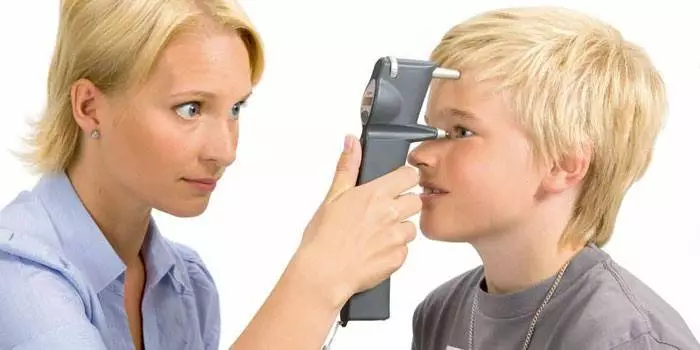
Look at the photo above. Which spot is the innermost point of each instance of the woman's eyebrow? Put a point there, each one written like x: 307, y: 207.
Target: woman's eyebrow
x: 205, y: 94
x: 247, y: 96
x: 197, y: 93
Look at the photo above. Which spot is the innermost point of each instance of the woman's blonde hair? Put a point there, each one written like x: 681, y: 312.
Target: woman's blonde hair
x: 572, y: 81
x: 115, y: 44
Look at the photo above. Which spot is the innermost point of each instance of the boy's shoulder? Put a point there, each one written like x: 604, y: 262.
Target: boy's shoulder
x: 614, y: 306
x: 598, y: 304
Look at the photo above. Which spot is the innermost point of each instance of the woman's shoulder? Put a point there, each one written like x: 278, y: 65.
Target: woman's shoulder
x: 27, y: 233
x: 25, y: 214
x: 39, y: 282
x: 28, y: 236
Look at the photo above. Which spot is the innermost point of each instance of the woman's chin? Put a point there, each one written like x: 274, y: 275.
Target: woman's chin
x: 186, y: 209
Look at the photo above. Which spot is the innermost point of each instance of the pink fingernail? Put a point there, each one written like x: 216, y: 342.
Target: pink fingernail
x: 348, y: 143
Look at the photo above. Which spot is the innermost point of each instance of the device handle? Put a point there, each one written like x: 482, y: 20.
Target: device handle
x: 380, y: 156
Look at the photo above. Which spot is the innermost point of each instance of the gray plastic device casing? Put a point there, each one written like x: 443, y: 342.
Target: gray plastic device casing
x: 390, y: 109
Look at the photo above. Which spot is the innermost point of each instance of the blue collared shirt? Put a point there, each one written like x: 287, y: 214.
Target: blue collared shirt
x: 62, y: 284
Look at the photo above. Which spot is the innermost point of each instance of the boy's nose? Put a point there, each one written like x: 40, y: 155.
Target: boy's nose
x: 422, y: 155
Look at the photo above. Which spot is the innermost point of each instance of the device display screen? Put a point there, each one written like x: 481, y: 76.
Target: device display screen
x: 367, y: 100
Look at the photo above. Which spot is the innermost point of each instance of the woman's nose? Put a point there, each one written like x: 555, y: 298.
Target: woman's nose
x: 221, y: 143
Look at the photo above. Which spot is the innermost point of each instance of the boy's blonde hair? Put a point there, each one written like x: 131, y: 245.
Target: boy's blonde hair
x: 572, y: 81
x: 115, y: 44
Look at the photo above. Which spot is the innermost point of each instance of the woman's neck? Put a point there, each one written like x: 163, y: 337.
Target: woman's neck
x: 122, y: 219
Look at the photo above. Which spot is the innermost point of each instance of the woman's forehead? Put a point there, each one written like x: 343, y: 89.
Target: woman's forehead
x: 203, y: 62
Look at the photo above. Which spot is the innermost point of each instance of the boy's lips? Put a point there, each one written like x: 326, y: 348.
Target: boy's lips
x: 431, y: 189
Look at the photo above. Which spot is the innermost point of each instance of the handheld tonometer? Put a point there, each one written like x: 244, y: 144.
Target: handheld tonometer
x: 391, y: 105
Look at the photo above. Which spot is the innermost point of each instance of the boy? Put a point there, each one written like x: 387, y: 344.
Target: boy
x: 553, y: 119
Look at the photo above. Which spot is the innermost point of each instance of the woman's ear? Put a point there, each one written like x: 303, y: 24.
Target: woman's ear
x: 84, y: 95
x: 569, y: 172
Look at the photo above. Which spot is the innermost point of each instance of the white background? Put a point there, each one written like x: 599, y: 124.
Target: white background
x: 319, y: 57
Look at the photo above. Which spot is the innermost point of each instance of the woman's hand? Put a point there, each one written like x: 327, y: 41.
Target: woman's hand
x: 356, y: 239
x: 359, y: 234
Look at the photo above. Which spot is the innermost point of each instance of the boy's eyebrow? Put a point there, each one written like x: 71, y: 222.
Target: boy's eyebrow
x: 455, y: 112
x: 460, y: 113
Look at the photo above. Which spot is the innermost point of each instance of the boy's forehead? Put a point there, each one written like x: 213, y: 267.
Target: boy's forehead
x: 452, y: 98
x: 467, y: 100
x: 463, y: 89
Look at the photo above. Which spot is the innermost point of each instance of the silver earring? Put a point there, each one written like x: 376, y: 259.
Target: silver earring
x: 95, y: 134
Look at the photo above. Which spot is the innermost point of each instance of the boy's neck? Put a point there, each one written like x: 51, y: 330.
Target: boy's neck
x: 517, y: 261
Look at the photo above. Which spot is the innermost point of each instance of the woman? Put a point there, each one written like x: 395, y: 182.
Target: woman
x: 142, y: 113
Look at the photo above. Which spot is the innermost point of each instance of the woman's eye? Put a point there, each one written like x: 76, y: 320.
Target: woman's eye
x: 189, y: 110
x: 459, y: 132
x: 236, y: 110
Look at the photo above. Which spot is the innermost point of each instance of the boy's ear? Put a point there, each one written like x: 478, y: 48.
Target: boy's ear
x: 569, y: 172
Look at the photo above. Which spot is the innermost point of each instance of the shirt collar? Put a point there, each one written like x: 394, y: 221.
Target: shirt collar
x: 160, y: 259
x: 507, y: 306
x: 86, y: 247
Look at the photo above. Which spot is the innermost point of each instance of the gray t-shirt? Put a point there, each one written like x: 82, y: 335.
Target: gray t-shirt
x: 598, y: 305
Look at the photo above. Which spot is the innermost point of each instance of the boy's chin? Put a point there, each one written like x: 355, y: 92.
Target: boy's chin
x: 443, y: 232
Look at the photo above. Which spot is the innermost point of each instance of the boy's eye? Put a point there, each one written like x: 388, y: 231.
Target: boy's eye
x: 236, y: 110
x: 460, y: 131
x: 189, y: 110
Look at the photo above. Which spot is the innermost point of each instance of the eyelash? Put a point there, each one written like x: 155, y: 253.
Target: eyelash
x: 235, y: 111
x: 456, y: 129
